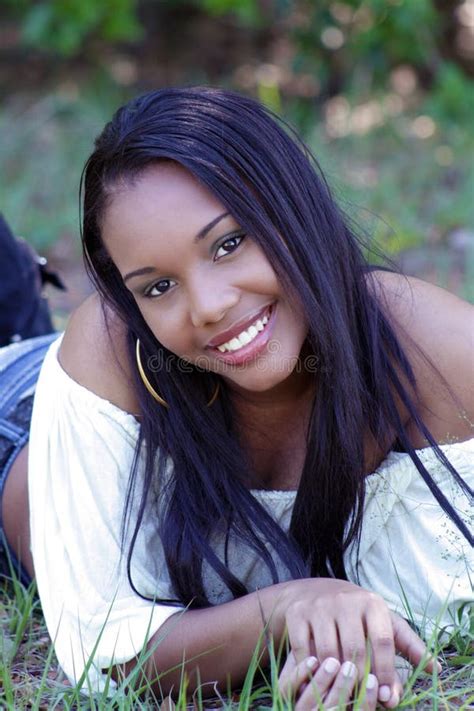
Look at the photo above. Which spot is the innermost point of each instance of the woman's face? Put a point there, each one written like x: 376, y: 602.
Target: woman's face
x: 204, y: 287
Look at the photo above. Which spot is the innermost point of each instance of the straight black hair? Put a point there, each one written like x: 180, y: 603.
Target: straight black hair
x: 271, y: 184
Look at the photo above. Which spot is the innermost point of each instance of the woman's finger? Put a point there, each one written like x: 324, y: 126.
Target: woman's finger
x: 286, y: 672
x: 298, y: 637
x: 369, y: 701
x: 341, y: 690
x: 353, y: 644
x: 381, y: 636
x: 319, y: 685
x: 408, y: 643
x: 293, y: 675
x: 325, y: 638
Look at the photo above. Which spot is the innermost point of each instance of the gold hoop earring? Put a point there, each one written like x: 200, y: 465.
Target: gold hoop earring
x: 145, y: 380
x: 150, y: 387
x: 214, y: 396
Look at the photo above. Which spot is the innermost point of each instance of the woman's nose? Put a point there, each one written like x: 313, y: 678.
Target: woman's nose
x: 209, y: 302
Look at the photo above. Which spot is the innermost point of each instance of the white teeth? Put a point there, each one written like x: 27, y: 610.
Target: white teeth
x: 245, y: 337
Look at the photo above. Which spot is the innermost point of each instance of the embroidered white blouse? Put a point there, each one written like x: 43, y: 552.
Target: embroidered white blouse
x: 80, y: 455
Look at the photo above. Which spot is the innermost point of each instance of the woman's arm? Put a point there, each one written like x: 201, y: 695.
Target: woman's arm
x: 323, y: 617
x: 436, y: 329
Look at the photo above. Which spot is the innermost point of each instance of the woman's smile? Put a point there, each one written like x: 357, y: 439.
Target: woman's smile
x: 242, y: 343
x: 204, y: 286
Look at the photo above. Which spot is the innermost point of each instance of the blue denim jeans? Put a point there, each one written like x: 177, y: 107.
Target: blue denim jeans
x: 20, y: 364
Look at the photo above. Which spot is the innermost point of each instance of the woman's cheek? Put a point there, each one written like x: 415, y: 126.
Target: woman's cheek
x: 159, y: 324
x: 173, y: 339
x: 167, y: 338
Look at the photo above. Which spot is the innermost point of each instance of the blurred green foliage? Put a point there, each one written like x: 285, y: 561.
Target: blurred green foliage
x: 49, y: 140
x: 381, y: 32
x: 405, y: 175
x: 451, y: 97
x: 62, y: 26
x: 247, y: 11
x: 361, y: 41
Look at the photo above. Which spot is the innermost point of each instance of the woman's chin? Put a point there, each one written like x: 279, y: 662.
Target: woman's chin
x: 258, y: 381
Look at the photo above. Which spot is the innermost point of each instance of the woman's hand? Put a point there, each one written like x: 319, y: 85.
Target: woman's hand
x: 310, y: 684
x: 329, y: 618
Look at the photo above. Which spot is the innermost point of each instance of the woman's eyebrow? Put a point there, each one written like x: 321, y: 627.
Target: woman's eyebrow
x: 138, y: 272
x: 200, y: 235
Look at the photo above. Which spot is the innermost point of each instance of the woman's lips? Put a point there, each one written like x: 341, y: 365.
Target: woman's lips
x: 252, y: 349
x: 242, y: 325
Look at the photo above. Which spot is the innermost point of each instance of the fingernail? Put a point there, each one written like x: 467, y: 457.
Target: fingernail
x: 330, y: 665
x: 348, y: 669
x: 384, y: 693
x: 311, y: 662
x: 371, y: 682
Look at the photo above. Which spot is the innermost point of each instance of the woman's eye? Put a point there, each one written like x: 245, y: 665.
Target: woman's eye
x: 161, y: 287
x: 158, y: 288
x: 229, y: 245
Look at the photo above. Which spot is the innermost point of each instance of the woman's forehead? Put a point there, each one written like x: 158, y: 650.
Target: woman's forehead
x: 164, y: 206
x: 160, y: 197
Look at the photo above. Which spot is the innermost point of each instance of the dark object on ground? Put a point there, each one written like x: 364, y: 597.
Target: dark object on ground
x: 24, y: 312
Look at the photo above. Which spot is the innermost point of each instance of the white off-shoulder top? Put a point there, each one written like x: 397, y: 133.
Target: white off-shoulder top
x: 80, y: 455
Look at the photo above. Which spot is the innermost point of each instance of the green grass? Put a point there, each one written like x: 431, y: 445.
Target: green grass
x: 30, y: 677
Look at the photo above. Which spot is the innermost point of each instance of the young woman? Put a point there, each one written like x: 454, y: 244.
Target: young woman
x: 247, y: 426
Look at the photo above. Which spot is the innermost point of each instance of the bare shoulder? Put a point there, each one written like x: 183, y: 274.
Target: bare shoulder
x: 436, y: 328
x: 93, y: 352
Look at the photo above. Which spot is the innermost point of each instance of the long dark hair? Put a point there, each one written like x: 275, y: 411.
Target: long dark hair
x: 274, y: 188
